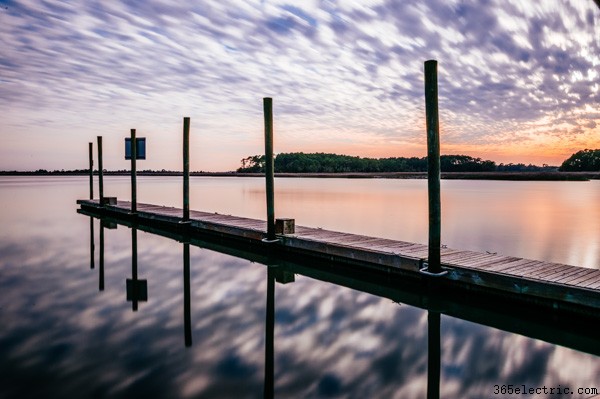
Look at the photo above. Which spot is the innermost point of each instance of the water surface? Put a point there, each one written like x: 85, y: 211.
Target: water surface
x: 62, y: 336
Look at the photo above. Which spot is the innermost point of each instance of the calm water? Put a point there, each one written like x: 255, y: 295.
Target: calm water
x: 61, y: 336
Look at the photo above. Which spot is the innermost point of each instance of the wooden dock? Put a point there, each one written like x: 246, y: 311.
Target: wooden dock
x: 557, y: 285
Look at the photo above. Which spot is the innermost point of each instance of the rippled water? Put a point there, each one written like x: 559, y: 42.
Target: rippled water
x: 61, y: 336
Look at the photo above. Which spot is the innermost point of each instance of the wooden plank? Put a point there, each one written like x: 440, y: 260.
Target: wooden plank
x: 584, y: 279
x: 492, y: 260
x: 554, y: 273
x: 352, y: 238
x: 595, y: 285
x: 499, y: 268
x: 530, y: 270
x: 550, y: 269
x: 563, y: 273
x: 591, y: 282
x: 469, y: 258
x: 581, y: 278
x: 322, y: 235
x: 537, y: 272
x: 460, y: 257
x: 382, y: 242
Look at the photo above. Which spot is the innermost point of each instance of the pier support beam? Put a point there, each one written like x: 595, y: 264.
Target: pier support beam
x: 433, y: 166
x: 186, y: 169
x: 269, y: 168
x: 100, y: 172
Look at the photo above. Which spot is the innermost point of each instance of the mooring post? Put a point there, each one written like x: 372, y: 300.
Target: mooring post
x: 186, y: 169
x: 91, y: 151
x: 433, y: 166
x: 100, y: 174
x: 269, y: 168
x: 133, y: 173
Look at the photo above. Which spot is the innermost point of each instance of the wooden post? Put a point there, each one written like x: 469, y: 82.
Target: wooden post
x: 100, y: 172
x: 433, y: 355
x: 269, y: 167
x: 187, y: 318
x: 433, y: 165
x: 186, y: 169
x: 133, y: 173
x: 91, y: 151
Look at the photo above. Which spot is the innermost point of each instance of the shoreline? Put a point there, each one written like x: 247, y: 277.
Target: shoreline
x: 514, y: 176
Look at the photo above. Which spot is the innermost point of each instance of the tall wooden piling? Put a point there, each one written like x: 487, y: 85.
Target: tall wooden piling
x: 186, y: 169
x: 433, y: 165
x: 100, y: 172
x: 133, y: 173
x: 269, y: 167
x: 91, y: 153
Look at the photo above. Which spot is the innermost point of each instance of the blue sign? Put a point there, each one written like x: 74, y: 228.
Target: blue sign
x: 140, y: 148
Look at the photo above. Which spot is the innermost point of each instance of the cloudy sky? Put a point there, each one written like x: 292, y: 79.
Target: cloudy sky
x: 518, y: 81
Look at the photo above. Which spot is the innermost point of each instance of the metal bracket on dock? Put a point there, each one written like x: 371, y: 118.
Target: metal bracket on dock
x: 267, y: 241
x: 425, y: 266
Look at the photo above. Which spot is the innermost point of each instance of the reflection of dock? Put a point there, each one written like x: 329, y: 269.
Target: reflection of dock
x: 547, y: 284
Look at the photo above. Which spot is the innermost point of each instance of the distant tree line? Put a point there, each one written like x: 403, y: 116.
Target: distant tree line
x: 299, y: 162
x: 582, y: 161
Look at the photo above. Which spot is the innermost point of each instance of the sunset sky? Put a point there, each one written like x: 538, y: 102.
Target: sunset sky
x: 519, y: 81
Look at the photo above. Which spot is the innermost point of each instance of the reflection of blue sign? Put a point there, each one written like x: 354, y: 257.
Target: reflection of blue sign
x: 137, y: 290
x: 140, y: 148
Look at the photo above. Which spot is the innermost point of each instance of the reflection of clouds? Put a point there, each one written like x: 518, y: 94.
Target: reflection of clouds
x: 329, y: 340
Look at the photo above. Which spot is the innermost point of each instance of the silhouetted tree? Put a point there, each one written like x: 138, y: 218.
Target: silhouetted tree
x: 582, y: 161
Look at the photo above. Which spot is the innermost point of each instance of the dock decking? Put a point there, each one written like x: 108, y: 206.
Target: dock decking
x: 562, y: 285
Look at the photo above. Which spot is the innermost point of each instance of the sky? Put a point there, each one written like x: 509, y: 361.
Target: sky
x: 518, y: 81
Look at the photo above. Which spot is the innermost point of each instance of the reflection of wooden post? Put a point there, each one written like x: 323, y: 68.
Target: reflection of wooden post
x: 133, y: 172
x: 137, y: 290
x: 100, y: 172
x: 101, y: 271
x: 433, y: 355
x: 433, y: 165
x: 186, y: 168
x: 91, y: 145
x: 101, y: 284
x: 269, y: 167
x: 269, y: 388
x: 134, y: 277
x: 92, y: 248
x: 187, y: 318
